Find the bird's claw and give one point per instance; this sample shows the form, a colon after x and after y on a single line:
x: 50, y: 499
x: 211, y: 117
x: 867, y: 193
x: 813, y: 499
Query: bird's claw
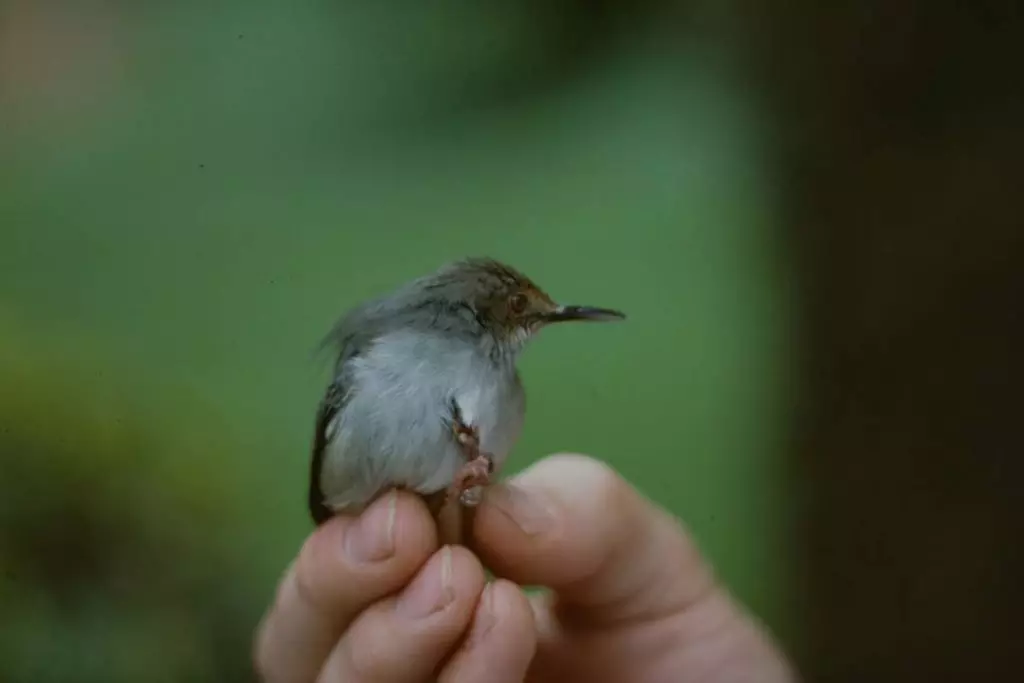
x: 475, y: 474
x: 470, y: 480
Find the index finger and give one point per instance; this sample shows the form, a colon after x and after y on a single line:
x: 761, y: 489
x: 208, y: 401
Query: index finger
x: 344, y: 566
x: 572, y: 524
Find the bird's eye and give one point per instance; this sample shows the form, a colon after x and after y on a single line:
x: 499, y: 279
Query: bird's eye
x: 517, y: 303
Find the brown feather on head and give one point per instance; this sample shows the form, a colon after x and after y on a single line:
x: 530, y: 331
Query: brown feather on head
x: 504, y: 295
x: 504, y: 298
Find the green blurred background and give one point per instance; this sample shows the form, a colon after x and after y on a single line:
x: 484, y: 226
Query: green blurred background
x: 192, y: 192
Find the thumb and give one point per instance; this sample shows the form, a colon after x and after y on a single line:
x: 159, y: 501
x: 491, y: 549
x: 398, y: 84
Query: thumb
x: 572, y: 524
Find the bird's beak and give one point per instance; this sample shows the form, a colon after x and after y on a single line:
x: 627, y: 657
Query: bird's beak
x: 587, y: 313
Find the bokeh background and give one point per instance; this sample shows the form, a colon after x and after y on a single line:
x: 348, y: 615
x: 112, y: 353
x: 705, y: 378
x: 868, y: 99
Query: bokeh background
x: 808, y: 213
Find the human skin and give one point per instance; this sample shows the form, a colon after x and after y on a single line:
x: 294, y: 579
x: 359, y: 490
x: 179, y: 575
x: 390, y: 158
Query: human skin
x: 628, y: 597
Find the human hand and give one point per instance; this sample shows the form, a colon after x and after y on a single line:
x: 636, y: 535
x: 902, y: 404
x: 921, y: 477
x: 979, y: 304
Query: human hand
x: 631, y: 598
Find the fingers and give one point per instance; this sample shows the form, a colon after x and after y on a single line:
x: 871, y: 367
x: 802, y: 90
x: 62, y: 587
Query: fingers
x: 410, y: 637
x: 571, y: 523
x: 345, y: 566
x: 501, y: 642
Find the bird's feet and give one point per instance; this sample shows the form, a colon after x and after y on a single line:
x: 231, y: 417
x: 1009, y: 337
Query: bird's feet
x: 476, y: 473
x: 470, y: 480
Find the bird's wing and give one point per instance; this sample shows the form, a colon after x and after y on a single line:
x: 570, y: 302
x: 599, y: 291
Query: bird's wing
x: 350, y: 337
x: 331, y: 404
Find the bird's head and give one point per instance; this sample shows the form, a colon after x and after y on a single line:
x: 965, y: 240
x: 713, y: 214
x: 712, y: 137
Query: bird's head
x: 506, y: 303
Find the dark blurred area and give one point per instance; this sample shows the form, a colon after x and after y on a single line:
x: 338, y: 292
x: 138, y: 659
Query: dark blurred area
x: 809, y: 210
x: 902, y: 162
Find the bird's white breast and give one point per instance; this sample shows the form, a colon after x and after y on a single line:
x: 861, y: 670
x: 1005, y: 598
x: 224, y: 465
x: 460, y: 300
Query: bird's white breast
x: 392, y: 430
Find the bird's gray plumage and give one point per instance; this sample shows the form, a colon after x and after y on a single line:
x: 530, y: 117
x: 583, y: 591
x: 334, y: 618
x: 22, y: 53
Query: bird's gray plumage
x: 385, y: 420
x: 438, y: 353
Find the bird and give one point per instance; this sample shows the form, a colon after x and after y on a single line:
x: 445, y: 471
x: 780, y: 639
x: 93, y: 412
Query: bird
x: 425, y: 393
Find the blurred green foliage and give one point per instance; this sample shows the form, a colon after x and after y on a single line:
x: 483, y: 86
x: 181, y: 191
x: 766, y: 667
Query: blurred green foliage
x: 119, y: 563
x: 200, y: 189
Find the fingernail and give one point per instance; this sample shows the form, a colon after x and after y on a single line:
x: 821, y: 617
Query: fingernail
x: 485, y: 616
x: 529, y: 510
x: 432, y: 590
x: 372, y: 537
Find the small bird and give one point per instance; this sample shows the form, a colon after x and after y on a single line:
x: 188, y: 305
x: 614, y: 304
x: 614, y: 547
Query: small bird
x: 425, y: 394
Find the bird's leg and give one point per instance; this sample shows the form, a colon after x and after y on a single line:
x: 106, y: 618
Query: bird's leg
x: 435, y: 502
x: 479, y: 466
